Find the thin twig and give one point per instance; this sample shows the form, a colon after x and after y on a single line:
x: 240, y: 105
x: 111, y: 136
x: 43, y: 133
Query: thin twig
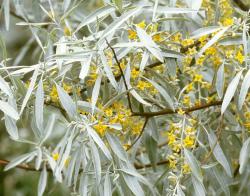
x: 122, y: 74
x: 142, y: 130
x: 169, y: 111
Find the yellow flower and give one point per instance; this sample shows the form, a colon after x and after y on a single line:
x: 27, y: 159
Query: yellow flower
x: 187, y: 42
x: 67, y: 88
x: 108, y: 112
x: 197, y: 78
x: 192, y: 51
x: 210, y: 51
x: 181, y: 111
x: 172, y: 162
x: 171, y: 138
x: 186, y: 169
x: 239, y: 57
x: 189, y: 141
x: 189, y: 88
x: 247, y: 125
x: 132, y: 34
x: 157, y: 37
x: 55, y: 156
x: 186, y: 100
x: 54, y: 95
x: 141, y: 85
x: 141, y: 24
x: 189, y: 130
x: 228, y: 22
x: 100, y: 128
x: 176, y: 37
x: 67, y: 31
x: 134, y: 73
x: 200, y: 60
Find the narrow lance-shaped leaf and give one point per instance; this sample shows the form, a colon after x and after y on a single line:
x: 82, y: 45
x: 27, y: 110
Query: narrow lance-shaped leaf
x: 39, y: 102
x: 244, y: 155
x: 85, y: 67
x: 218, y: 153
x: 244, y: 89
x: 198, y: 187
x: 107, y: 185
x: 66, y: 101
x: 163, y: 92
x: 18, y: 160
x: 230, y: 92
x: 30, y: 89
x: 95, y: 92
x: 99, y: 13
x: 98, y: 141
x: 119, y: 21
x: 213, y: 40
x: 220, y: 81
x: 7, y: 109
x: 6, y: 5
x: 42, y: 181
x: 192, y: 162
x: 116, y: 147
x: 149, y: 44
x: 96, y: 161
x: 4, y: 86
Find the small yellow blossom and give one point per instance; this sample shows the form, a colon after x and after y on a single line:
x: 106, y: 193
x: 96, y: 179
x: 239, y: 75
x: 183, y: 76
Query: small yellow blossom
x: 192, y: 51
x: 171, y: 138
x: 181, y: 111
x: 210, y: 51
x: 100, y: 128
x: 134, y: 73
x: 157, y: 37
x: 239, y: 57
x: 228, y: 22
x: 54, y: 95
x: 55, y: 156
x: 189, y: 88
x: 198, y: 78
x: 200, y: 60
x: 186, y: 100
x: 67, y: 31
x: 187, y: 42
x: 108, y: 112
x: 132, y: 34
x: 189, y: 141
x: 186, y: 168
x: 142, y: 24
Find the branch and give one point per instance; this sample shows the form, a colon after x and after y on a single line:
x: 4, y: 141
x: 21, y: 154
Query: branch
x: 122, y: 74
x: 143, y: 128
x: 169, y: 111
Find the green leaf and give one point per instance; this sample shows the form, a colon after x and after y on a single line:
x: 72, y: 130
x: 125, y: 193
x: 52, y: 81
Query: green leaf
x: 107, y: 185
x: 7, y: 109
x: 18, y: 160
x: 220, y: 81
x: 99, y: 13
x: 230, y: 91
x: 204, y: 31
x: 192, y: 162
x: 116, y: 147
x: 163, y: 92
x: 6, y: 5
x: 198, y: 187
x: 119, y: 21
x: 244, y: 155
x: 96, y: 161
x: 98, y: 141
x: 66, y: 102
x: 30, y: 89
x: 39, y: 103
x: 213, y: 40
x: 95, y: 92
x: 42, y: 181
x: 4, y: 86
x: 244, y: 89
x: 149, y: 43
x: 218, y: 153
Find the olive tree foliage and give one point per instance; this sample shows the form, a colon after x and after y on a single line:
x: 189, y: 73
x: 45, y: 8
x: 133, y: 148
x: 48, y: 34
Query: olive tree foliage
x: 133, y: 97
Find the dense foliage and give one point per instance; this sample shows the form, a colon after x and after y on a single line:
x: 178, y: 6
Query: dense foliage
x: 129, y: 97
